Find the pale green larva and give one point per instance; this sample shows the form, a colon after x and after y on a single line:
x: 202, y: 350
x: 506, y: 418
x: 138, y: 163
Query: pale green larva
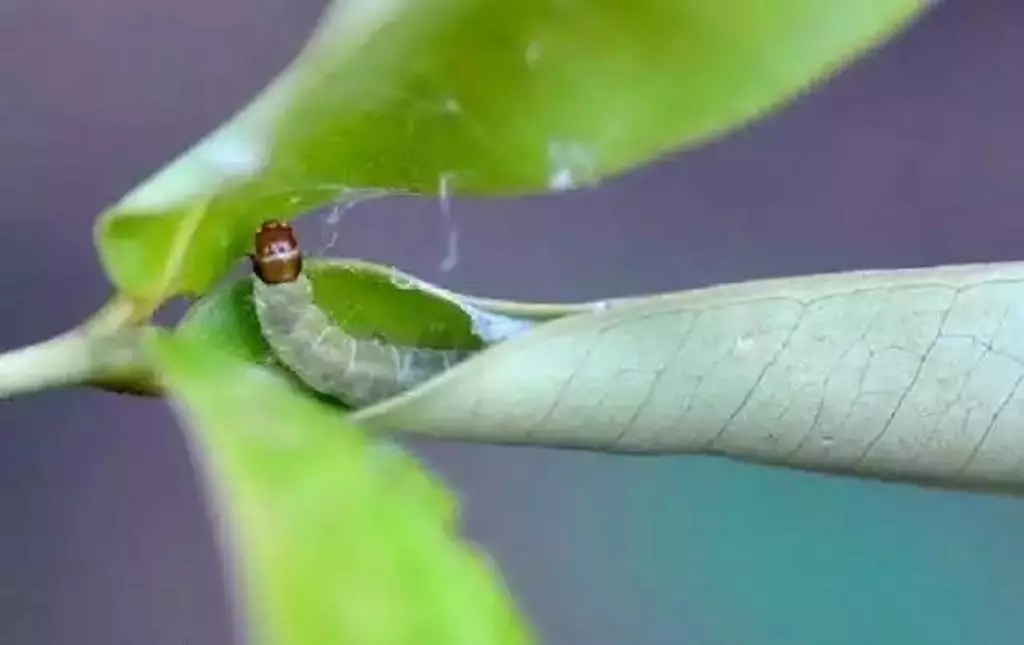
x: 305, y: 339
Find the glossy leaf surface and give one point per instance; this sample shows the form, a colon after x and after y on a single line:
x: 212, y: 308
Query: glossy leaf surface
x: 475, y: 97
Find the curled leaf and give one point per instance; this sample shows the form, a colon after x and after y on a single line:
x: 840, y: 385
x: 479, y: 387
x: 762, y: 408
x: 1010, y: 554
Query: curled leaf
x: 911, y: 375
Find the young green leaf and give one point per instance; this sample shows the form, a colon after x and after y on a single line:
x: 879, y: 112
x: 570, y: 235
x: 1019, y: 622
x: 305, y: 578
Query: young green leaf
x: 332, y: 538
x: 475, y: 97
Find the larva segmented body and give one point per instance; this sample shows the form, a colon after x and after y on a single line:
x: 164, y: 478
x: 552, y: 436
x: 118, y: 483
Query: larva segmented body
x: 356, y: 371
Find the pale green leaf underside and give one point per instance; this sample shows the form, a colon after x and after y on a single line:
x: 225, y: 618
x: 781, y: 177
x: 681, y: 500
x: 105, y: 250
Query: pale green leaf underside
x: 912, y: 375
x: 906, y: 374
x: 335, y: 539
x: 475, y: 97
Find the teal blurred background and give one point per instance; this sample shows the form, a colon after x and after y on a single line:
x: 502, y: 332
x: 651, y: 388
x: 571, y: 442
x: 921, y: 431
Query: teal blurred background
x: 913, y: 156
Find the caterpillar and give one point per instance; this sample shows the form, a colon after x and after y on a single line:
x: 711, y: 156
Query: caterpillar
x: 305, y: 339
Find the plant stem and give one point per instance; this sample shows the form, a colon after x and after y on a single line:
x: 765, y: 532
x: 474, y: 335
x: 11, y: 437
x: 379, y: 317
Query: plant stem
x: 119, y: 313
x: 75, y: 357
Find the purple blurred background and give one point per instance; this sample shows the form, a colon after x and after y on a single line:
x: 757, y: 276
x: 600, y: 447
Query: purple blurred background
x: 913, y: 156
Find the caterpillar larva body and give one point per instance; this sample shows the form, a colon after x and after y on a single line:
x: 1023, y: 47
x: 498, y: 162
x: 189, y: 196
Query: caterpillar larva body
x: 356, y: 371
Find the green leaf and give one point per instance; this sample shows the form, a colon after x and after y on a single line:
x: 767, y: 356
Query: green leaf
x: 475, y: 97
x: 335, y: 539
x: 913, y: 375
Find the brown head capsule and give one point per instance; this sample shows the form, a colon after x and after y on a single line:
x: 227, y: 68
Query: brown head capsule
x: 277, y: 257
